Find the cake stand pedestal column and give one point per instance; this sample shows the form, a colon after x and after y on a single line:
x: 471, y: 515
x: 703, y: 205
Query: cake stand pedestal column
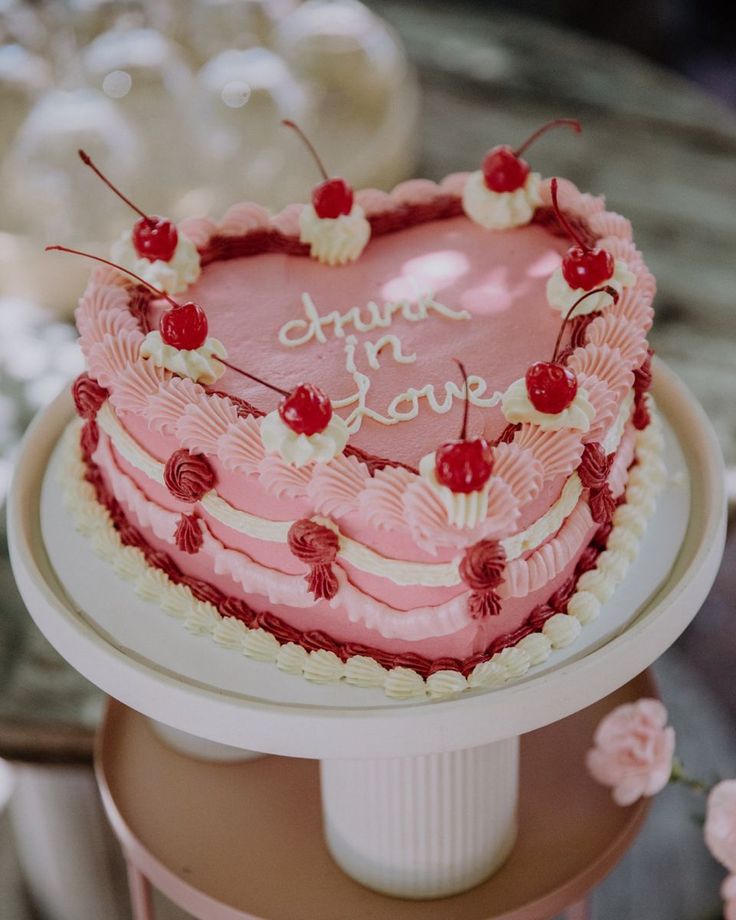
x: 427, y: 826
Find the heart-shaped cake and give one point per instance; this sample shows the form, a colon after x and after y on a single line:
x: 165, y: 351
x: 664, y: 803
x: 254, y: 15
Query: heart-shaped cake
x: 402, y: 440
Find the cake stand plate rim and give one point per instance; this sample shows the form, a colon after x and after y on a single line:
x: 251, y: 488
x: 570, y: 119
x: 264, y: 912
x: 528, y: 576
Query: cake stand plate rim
x: 319, y: 731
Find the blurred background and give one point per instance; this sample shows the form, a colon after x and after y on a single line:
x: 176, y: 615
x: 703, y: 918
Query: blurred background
x: 179, y: 101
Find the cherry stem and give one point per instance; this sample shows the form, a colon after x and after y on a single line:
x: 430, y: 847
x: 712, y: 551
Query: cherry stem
x: 87, y: 160
x: 464, y: 430
x: 567, y: 122
x: 566, y: 225
x: 126, y: 271
x: 606, y: 289
x: 288, y: 123
x: 253, y: 377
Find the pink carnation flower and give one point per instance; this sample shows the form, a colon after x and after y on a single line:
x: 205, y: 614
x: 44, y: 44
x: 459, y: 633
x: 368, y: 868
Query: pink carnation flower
x: 728, y: 893
x: 633, y: 751
x: 720, y: 824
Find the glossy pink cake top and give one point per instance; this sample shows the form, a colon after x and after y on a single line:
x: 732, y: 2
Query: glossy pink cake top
x: 469, y: 293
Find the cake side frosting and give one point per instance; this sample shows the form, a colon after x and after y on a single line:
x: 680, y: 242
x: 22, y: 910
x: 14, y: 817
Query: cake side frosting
x: 233, y: 624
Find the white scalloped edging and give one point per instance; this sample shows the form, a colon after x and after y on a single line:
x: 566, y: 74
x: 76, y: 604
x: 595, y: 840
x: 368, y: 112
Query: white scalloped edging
x: 594, y: 588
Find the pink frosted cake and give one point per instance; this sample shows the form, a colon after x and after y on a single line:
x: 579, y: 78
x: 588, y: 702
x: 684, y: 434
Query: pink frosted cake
x: 357, y: 528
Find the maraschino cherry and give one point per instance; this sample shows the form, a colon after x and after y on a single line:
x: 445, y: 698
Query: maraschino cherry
x: 183, y: 326
x: 464, y: 465
x: 550, y: 385
x: 503, y: 168
x: 153, y: 237
x: 306, y: 409
x: 582, y: 267
x: 333, y: 197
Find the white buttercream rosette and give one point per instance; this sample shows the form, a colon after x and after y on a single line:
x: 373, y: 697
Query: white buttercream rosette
x: 561, y: 296
x: 464, y: 509
x: 334, y: 240
x: 500, y: 210
x: 302, y: 449
x: 517, y: 407
x: 173, y: 276
x: 199, y: 364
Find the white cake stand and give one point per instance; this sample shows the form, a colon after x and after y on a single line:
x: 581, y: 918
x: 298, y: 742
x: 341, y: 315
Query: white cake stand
x: 419, y: 798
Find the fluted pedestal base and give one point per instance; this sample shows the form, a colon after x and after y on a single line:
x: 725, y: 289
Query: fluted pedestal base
x: 426, y: 826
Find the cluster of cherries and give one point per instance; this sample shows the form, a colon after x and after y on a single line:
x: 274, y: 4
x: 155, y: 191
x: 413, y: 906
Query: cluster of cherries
x: 306, y: 409
x: 465, y: 464
x: 504, y: 170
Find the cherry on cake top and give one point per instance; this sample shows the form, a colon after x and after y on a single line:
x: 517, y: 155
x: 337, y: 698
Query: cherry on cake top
x: 153, y: 237
x: 465, y: 464
x: 503, y: 168
x: 306, y: 410
x: 551, y: 386
x: 183, y: 325
x: 333, y: 197
x: 583, y: 267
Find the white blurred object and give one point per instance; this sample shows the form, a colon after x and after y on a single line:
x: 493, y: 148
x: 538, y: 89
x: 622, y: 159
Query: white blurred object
x: 343, y: 48
x: 70, y: 860
x: 23, y: 76
x: 211, y: 25
x: 145, y: 73
x: 247, y: 142
x: 123, y: 88
x: 47, y: 185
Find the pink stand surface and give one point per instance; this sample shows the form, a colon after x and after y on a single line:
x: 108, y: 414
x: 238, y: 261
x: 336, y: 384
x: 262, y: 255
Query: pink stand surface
x: 245, y: 840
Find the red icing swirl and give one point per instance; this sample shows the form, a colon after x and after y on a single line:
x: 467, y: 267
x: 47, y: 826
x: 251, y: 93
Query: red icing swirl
x: 594, y: 469
x: 88, y: 396
x: 188, y: 476
x: 594, y: 466
x: 204, y: 591
x: 89, y: 439
x: 507, y: 435
x: 481, y: 569
x: 642, y: 383
x: 188, y: 534
x: 482, y: 565
x: 602, y: 504
x: 239, y: 609
x: 276, y: 626
x: 316, y: 546
x: 643, y: 375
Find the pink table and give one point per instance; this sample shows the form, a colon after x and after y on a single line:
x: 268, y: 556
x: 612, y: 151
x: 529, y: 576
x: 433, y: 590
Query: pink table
x: 244, y: 841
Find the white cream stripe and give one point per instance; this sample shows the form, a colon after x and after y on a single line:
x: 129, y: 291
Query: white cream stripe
x: 401, y: 572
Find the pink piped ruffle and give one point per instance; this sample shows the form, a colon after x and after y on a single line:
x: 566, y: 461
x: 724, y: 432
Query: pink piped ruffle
x: 113, y: 355
x: 520, y: 469
x: 243, y: 218
x: 557, y: 451
x: 335, y: 487
x: 240, y: 447
x: 136, y: 384
x: 282, y: 479
x: 163, y: 409
x: 204, y: 422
